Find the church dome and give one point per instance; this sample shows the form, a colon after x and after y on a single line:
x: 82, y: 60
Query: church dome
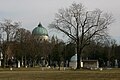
x: 40, y: 31
x: 74, y: 58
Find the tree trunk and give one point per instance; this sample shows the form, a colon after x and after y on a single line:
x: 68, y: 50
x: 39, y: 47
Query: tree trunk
x: 49, y: 64
x: 78, y: 54
x: 78, y: 51
x: 4, y: 60
x: 78, y: 61
x: 33, y: 64
x: 25, y: 63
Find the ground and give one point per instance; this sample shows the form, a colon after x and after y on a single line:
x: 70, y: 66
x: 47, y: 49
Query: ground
x: 40, y: 74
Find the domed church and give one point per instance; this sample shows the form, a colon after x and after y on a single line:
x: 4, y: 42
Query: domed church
x: 40, y: 33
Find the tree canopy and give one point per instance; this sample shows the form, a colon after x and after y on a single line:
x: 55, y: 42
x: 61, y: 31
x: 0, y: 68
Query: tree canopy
x: 81, y: 25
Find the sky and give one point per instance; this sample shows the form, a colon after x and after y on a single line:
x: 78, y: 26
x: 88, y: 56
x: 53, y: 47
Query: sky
x: 31, y: 12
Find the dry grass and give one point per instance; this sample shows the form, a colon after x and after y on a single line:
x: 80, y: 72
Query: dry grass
x: 38, y: 74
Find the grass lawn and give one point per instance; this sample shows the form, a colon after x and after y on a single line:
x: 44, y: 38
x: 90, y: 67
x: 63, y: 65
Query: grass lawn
x: 38, y: 74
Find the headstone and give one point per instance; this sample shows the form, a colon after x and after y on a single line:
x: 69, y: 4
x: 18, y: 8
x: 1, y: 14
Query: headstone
x: 101, y: 69
x: 22, y: 63
x: 18, y: 64
x: 81, y: 64
x: 11, y: 68
x: 116, y: 63
x: 97, y: 64
x: 25, y: 66
x: 108, y: 63
x: 1, y: 57
x: 62, y: 64
x: 0, y: 63
x: 67, y: 63
x: 48, y: 67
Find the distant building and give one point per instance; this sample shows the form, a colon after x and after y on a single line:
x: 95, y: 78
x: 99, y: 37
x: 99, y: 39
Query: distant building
x: 40, y: 33
x: 84, y: 63
x: 90, y: 64
x: 73, y: 62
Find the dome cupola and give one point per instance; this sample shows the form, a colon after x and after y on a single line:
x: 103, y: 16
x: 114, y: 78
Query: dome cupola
x: 40, y: 33
x: 40, y: 30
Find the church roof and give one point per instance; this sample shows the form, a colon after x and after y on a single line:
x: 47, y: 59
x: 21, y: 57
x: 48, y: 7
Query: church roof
x: 40, y: 30
x: 74, y: 58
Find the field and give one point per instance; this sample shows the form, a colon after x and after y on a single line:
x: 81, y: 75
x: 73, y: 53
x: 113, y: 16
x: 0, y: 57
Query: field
x: 39, y: 74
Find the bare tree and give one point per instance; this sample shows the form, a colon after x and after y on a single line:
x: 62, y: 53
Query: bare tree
x: 81, y: 25
x: 9, y: 28
x: 24, y: 37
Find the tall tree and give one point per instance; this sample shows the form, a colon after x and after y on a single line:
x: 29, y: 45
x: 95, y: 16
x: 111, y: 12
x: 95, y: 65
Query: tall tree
x: 24, y: 38
x: 81, y: 25
x: 9, y: 28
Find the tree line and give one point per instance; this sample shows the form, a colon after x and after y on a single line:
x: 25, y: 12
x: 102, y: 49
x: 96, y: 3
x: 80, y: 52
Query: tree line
x: 88, y: 38
x: 20, y: 45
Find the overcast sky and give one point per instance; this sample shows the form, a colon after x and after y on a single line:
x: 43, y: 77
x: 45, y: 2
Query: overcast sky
x: 31, y: 12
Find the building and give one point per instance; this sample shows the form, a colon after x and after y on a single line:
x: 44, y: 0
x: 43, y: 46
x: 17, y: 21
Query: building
x: 40, y: 33
x: 84, y: 63
x: 73, y: 62
x: 90, y: 64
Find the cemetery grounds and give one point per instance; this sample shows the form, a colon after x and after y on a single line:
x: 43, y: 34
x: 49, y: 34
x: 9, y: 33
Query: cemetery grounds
x: 54, y: 74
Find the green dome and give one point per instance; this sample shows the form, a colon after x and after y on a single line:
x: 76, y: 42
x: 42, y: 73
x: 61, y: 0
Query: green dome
x: 40, y: 30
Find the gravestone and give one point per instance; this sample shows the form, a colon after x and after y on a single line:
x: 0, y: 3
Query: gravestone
x: 0, y: 63
x: 1, y: 57
x: 11, y: 68
x: 81, y: 64
x: 116, y: 63
x: 108, y: 63
x: 18, y: 64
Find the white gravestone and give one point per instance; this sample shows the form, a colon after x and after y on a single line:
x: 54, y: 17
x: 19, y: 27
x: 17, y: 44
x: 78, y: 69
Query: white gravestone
x: 0, y: 63
x: 116, y: 63
x: 81, y: 64
x: 18, y: 64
